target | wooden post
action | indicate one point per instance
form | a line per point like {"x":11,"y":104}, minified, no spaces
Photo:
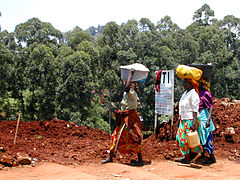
{"x":15,"y":138}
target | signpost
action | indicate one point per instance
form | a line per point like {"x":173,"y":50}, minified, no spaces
{"x":164,"y":100}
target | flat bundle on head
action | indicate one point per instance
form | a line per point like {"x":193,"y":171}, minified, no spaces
{"x":206,"y":76}
{"x":139,"y":75}
{"x":206,"y":69}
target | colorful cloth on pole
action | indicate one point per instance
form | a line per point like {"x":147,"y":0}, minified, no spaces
{"x":184,"y":128}
{"x":157,"y":80}
{"x":131,"y":136}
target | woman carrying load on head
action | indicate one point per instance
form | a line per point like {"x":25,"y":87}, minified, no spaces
{"x":206,"y":109}
{"x":189,"y":119}
{"x":127,"y":136}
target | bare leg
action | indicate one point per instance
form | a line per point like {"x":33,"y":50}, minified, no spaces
{"x":186,"y":159}
{"x":210,"y":160}
{"x":140,"y":161}
{"x":140,"y":157}
{"x":108,"y":159}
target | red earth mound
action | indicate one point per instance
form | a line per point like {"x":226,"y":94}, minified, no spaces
{"x":55,"y":141}
{"x":66,"y":143}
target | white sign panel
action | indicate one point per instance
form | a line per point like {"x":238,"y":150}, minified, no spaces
{"x":164,"y":100}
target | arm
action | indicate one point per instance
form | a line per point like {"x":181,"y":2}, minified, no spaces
{"x":209,"y":117}
{"x":176,"y":110}
{"x":178,"y":121}
{"x":193,"y":128}
{"x":195,"y":108}
{"x":127,"y":86}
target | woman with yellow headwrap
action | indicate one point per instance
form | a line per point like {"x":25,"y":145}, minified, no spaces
{"x":189,"y":119}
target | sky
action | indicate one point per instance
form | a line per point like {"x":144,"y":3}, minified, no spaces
{"x":67,"y":14}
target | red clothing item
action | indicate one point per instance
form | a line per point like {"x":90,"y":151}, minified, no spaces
{"x":157,"y":80}
{"x":131,"y":137}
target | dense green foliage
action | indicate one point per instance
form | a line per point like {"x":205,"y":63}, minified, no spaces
{"x":75,"y":75}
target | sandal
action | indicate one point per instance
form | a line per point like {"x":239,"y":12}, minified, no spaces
{"x":107,"y":160}
{"x":209,"y":161}
{"x":184,"y":163}
{"x":180,"y":159}
{"x":137,"y":163}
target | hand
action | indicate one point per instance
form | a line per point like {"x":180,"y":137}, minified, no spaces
{"x":130,"y":131}
{"x":178,"y":123}
{"x":126,"y":124}
{"x":193,"y":128}
{"x":132,"y":70}
{"x":207,"y":124}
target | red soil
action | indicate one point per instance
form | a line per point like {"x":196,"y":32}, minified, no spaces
{"x":55,"y":141}
{"x":66,"y":143}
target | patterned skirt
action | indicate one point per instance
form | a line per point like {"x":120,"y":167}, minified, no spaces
{"x":205,"y":132}
{"x":131,"y":136}
{"x":184,"y":128}
{"x":209,"y":146}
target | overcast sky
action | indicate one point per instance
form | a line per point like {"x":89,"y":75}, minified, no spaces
{"x":66,"y":14}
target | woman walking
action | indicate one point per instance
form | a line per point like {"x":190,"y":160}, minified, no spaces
{"x":189,"y":118}
{"x":127,"y":136}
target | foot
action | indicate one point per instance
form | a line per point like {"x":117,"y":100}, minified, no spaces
{"x":195,"y":158}
{"x":209,"y":161}
{"x":192,"y":155}
{"x":185,"y":163}
{"x":137,"y":163}
{"x":107,"y":160}
{"x":180,"y":159}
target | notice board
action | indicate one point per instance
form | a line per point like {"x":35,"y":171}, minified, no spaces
{"x":164,"y":100}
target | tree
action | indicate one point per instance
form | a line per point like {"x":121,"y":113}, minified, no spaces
{"x":8,"y":39}
{"x":95,"y":30}
{"x":76,"y":36}
{"x":6,"y":60}
{"x":41,"y":77}
{"x":146,"y":25}
{"x":36,"y":31}
{"x":77,"y":78}
{"x":231,"y":26}
{"x":203,"y":15}
{"x":166,"y":24}
{"x":74,"y":93}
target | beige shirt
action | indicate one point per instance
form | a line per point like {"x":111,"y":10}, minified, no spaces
{"x":129,"y":100}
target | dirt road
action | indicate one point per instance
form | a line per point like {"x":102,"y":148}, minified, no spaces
{"x":223,"y":169}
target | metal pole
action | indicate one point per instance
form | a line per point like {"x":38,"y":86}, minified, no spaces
{"x":172,"y":103}
{"x":155,"y":123}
